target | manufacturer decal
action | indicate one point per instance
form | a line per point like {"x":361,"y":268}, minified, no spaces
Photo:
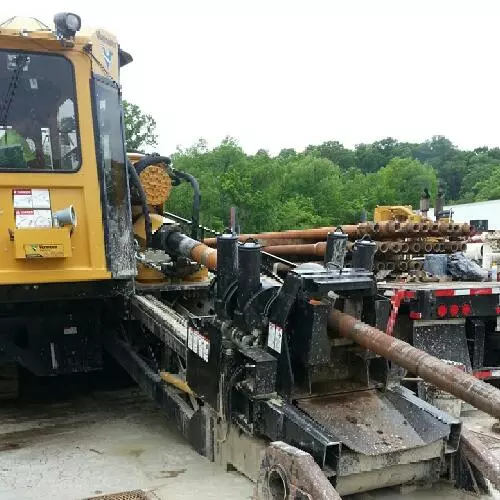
{"x":275,"y":336}
{"x":107,"y":55}
{"x":198,"y":343}
{"x":43,"y":251}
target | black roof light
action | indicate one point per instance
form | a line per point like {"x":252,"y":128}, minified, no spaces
{"x":67,"y":24}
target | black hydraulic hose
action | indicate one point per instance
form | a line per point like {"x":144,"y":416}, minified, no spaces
{"x":195,"y":217}
{"x":141,"y":164}
{"x":136,"y":181}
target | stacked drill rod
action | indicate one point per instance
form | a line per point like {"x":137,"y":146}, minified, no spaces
{"x":400,"y":246}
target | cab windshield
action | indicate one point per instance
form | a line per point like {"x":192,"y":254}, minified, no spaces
{"x":38,"y":125}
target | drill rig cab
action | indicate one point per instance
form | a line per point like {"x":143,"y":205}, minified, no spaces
{"x":90,"y":263}
{"x":65,"y":214}
{"x":71,"y":200}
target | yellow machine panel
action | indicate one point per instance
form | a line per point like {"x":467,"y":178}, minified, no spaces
{"x":42,"y":243}
{"x":82,"y":251}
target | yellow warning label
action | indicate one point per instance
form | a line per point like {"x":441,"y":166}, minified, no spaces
{"x":43,"y":251}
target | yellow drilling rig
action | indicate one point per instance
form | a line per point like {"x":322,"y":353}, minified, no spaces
{"x":265,"y":373}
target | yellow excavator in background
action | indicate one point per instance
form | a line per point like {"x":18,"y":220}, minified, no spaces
{"x":263,"y":373}
{"x":405,"y":213}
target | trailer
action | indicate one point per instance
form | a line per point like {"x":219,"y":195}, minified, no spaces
{"x":455,"y":321}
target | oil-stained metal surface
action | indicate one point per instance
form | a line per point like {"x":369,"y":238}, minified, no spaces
{"x":448,"y":378}
{"x":443,"y":340}
{"x":479,"y":450}
{"x":287,"y":472}
{"x":370,"y":423}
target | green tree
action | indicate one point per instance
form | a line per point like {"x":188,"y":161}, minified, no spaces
{"x":479,"y":168}
{"x":369,"y":158}
{"x":489,"y":189}
{"x":139,"y":128}
{"x":402,"y":181}
{"x":335,"y":152}
{"x":318,"y":188}
{"x":287,"y":153}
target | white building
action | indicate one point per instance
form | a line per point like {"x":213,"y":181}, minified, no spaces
{"x":480,"y":210}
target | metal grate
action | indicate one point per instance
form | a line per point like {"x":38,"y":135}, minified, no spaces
{"x":124,"y":495}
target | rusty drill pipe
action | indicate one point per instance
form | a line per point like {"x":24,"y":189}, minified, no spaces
{"x":434,"y":371}
{"x":410,"y":228}
{"x":444,"y":229}
{"x":382,"y":246}
{"x":424,"y":228}
{"x":180,"y":244}
{"x":405,"y":247}
{"x":403,"y":265}
{"x":313,"y":249}
{"x":283,"y":241}
{"x":462,"y":247}
{"x":365,"y":228}
{"x":205,"y":255}
{"x":355,"y":231}
{"x":434,"y":228}
{"x":415,"y":265}
{"x":390,"y":265}
{"x":386,"y":229}
{"x":436,"y":247}
{"x":211,"y":242}
{"x":379,"y":266}
{"x":454,"y":247}
{"x":395,"y":247}
{"x":307,"y":234}
{"x":351,"y":230}
{"x":415,"y":247}
{"x":428,"y":247}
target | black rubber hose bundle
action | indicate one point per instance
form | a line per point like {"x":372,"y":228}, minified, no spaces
{"x":195,"y":216}
{"x":176,"y":175}
{"x":141,"y":164}
{"x":136,"y":181}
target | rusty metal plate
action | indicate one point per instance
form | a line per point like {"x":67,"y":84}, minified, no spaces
{"x":124,"y":495}
{"x":365,"y":421}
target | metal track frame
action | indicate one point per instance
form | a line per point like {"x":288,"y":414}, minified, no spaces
{"x":195,"y":424}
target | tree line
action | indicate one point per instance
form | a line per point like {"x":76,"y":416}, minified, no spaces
{"x":329,"y":184}
{"x":326,"y":184}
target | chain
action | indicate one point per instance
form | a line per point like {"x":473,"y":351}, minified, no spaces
{"x":11,"y":90}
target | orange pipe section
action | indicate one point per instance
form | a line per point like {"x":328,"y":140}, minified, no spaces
{"x":313,"y":249}
{"x":205,"y":255}
{"x":319,"y":233}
